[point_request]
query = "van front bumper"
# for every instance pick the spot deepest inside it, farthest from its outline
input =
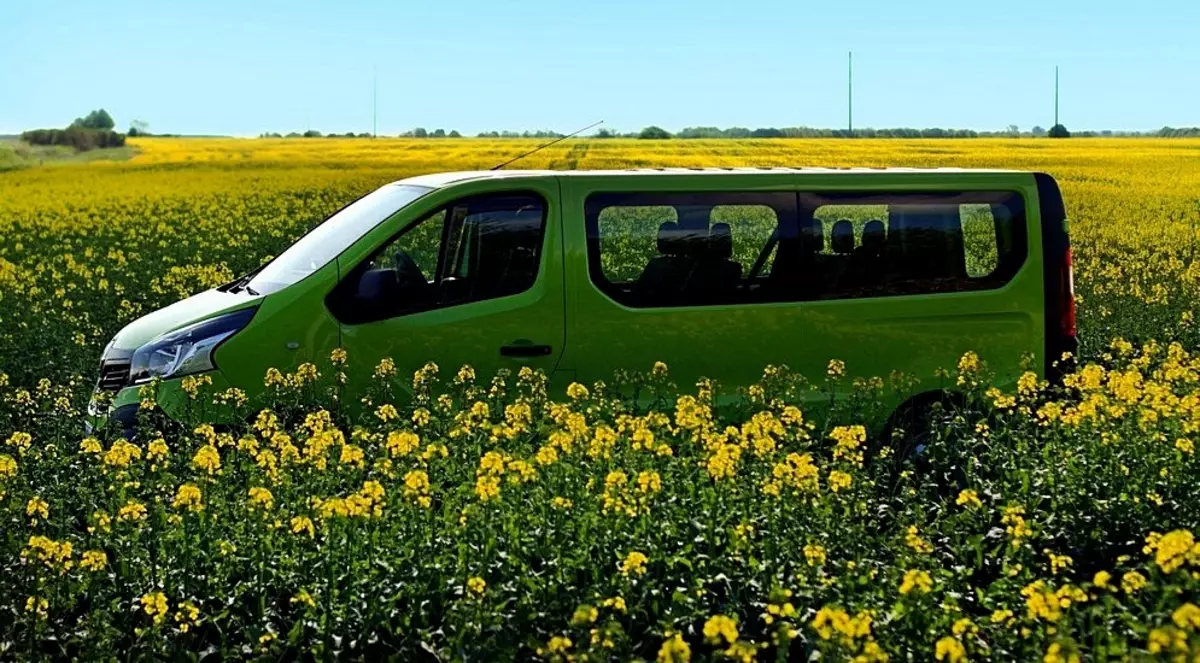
(121, 412)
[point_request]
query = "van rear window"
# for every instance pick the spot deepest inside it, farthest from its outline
(696, 249)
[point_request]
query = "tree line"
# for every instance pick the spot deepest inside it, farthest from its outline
(92, 131)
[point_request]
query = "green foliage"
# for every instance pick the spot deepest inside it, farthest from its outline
(1058, 131)
(654, 133)
(79, 138)
(97, 119)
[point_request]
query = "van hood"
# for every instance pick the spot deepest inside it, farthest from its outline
(194, 309)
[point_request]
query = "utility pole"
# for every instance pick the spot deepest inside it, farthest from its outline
(374, 102)
(850, 93)
(1056, 95)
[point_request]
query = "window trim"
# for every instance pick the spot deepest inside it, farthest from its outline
(339, 293)
(593, 207)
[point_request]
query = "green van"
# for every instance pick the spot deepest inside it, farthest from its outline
(716, 272)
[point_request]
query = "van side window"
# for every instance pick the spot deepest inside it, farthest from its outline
(697, 249)
(877, 245)
(475, 249)
(685, 249)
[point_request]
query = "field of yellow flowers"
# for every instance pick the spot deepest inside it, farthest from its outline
(493, 520)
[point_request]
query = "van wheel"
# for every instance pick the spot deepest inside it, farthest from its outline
(909, 434)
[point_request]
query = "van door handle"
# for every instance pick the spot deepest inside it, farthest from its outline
(524, 350)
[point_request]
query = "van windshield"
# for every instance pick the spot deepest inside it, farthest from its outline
(334, 235)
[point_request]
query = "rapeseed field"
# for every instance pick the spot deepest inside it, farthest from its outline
(490, 519)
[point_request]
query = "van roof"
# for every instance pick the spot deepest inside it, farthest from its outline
(436, 180)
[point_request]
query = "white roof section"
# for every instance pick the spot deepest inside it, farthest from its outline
(436, 180)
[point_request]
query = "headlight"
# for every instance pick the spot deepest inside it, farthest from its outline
(188, 350)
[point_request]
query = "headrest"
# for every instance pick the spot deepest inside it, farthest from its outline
(720, 240)
(842, 237)
(812, 236)
(873, 234)
(668, 238)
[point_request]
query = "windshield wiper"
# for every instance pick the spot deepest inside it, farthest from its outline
(243, 283)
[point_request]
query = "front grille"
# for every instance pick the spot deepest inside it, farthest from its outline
(113, 375)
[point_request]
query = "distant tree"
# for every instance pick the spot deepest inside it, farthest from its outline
(766, 132)
(1038, 130)
(438, 133)
(420, 132)
(654, 133)
(604, 133)
(139, 128)
(1014, 130)
(293, 134)
(97, 119)
(311, 133)
(454, 134)
(1059, 131)
(364, 134)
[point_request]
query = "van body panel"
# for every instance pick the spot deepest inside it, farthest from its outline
(472, 333)
(921, 335)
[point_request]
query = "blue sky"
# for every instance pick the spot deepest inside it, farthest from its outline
(242, 67)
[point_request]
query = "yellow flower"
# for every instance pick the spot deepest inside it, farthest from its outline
(487, 488)
(207, 459)
(188, 497)
(37, 508)
(836, 368)
(1132, 581)
(94, 560)
(634, 563)
(261, 497)
(912, 539)
(577, 391)
(91, 445)
(416, 487)
(839, 480)
(674, 650)
(659, 370)
(918, 580)
(476, 585)
(814, 554)
(950, 649)
(387, 412)
(720, 626)
(38, 605)
(968, 497)
(155, 605)
(302, 524)
(133, 510)
(338, 356)
(1101, 579)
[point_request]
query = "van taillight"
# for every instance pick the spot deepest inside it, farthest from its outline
(1067, 301)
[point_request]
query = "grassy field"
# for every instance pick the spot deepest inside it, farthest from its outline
(491, 520)
(17, 154)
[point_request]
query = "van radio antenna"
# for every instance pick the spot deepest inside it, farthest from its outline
(542, 147)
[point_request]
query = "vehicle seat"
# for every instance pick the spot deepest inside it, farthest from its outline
(663, 278)
(715, 274)
(866, 263)
(842, 238)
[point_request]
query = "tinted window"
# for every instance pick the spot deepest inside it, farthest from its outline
(875, 245)
(476, 249)
(681, 249)
(649, 250)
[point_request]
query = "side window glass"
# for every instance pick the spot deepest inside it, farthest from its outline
(628, 238)
(476, 249)
(686, 249)
(979, 238)
(421, 244)
(875, 245)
